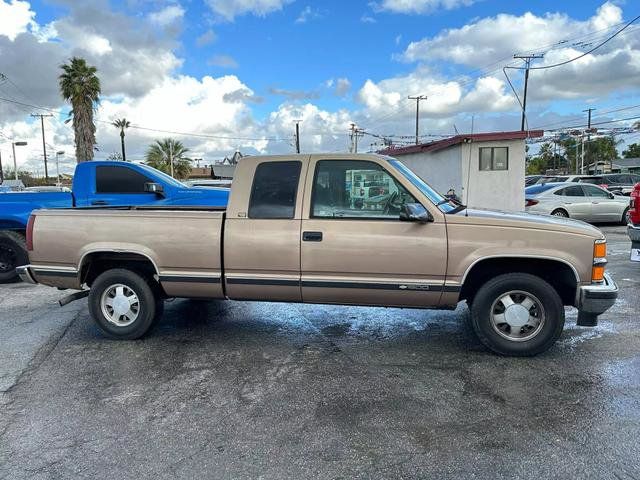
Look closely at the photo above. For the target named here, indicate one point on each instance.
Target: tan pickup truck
(297, 230)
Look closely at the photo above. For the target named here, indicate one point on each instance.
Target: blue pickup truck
(94, 184)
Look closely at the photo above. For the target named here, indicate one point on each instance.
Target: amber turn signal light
(597, 273)
(599, 250)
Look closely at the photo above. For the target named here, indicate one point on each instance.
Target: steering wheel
(387, 207)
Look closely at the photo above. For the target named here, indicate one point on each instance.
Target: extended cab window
(356, 189)
(274, 190)
(119, 180)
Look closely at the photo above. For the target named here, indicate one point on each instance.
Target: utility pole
(1, 171)
(171, 157)
(355, 133)
(417, 99)
(44, 145)
(297, 135)
(527, 59)
(589, 110)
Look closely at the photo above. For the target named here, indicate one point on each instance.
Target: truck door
(262, 231)
(120, 185)
(357, 250)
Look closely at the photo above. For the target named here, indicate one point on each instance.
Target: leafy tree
(632, 151)
(80, 86)
(160, 154)
(122, 124)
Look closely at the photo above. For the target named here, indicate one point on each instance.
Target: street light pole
(15, 164)
(58, 153)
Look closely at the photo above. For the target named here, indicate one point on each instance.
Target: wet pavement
(259, 390)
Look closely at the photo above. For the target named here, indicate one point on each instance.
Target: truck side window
(356, 189)
(273, 194)
(119, 180)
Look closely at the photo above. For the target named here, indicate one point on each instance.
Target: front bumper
(634, 232)
(24, 272)
(594, 300)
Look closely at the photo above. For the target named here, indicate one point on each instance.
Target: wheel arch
(556, 271)
(95, 262)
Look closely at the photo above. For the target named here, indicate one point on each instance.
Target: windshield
(421, 185)
(165, 178)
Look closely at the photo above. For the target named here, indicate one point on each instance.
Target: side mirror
(611, 195)
(151, 187)
(415, 212)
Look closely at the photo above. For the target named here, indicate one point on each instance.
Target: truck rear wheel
(517, 314)
(123, 304)
(13, 253)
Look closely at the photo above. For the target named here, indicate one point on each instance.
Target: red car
(634, 223)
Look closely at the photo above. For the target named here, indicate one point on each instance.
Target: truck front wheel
(517, 314)
(123, 304)
(13, 253)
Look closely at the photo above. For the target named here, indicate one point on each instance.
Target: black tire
(560, 212)
(625, 220)
(147, 310)
(13, 253)
(542, 338)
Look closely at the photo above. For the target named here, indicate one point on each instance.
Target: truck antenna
(466, 211)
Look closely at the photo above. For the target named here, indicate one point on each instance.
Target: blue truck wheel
(13, 253)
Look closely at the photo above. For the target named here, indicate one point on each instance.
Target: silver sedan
(577, 200)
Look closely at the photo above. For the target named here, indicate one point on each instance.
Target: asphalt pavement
(261, 390)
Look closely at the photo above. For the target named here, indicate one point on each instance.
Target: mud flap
(587, 319)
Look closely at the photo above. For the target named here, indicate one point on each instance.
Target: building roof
(462, 138)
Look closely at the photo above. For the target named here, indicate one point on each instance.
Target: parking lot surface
(260, 390)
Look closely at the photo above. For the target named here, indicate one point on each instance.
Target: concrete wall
(497, 190)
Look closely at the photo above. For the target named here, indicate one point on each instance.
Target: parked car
(291, 233)
(204, 183)
(47, 188)
(593, 179)
(94, 184)
(620, 182)
(634, 222)
(532, 179)
(581, 201)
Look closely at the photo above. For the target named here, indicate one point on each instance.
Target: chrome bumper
(24, 272)
(634, 232)
(594, 300)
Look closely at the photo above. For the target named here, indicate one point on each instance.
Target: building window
(494, 158)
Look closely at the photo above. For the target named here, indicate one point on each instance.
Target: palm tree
(80, 86)
(169, 156)
(122, 124)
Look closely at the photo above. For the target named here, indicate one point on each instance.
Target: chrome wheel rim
(559, 213)
(120, 305)
(517, 315)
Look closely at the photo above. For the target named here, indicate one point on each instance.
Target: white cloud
(15, 18)
(614, 67)
(229, 9)
(207, 38)
(367, 19)
(308, 14)
(420, 6)
(168, 15)
(343, 85)
(223, 61)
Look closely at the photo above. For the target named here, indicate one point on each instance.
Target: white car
(581, 201)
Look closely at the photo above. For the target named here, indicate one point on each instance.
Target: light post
(58, 153)
(15, 165)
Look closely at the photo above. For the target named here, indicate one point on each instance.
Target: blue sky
(247, 69)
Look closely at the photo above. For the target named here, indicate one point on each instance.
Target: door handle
(98, 202)
(311, 236)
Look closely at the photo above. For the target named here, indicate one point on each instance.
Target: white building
(486, 170)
